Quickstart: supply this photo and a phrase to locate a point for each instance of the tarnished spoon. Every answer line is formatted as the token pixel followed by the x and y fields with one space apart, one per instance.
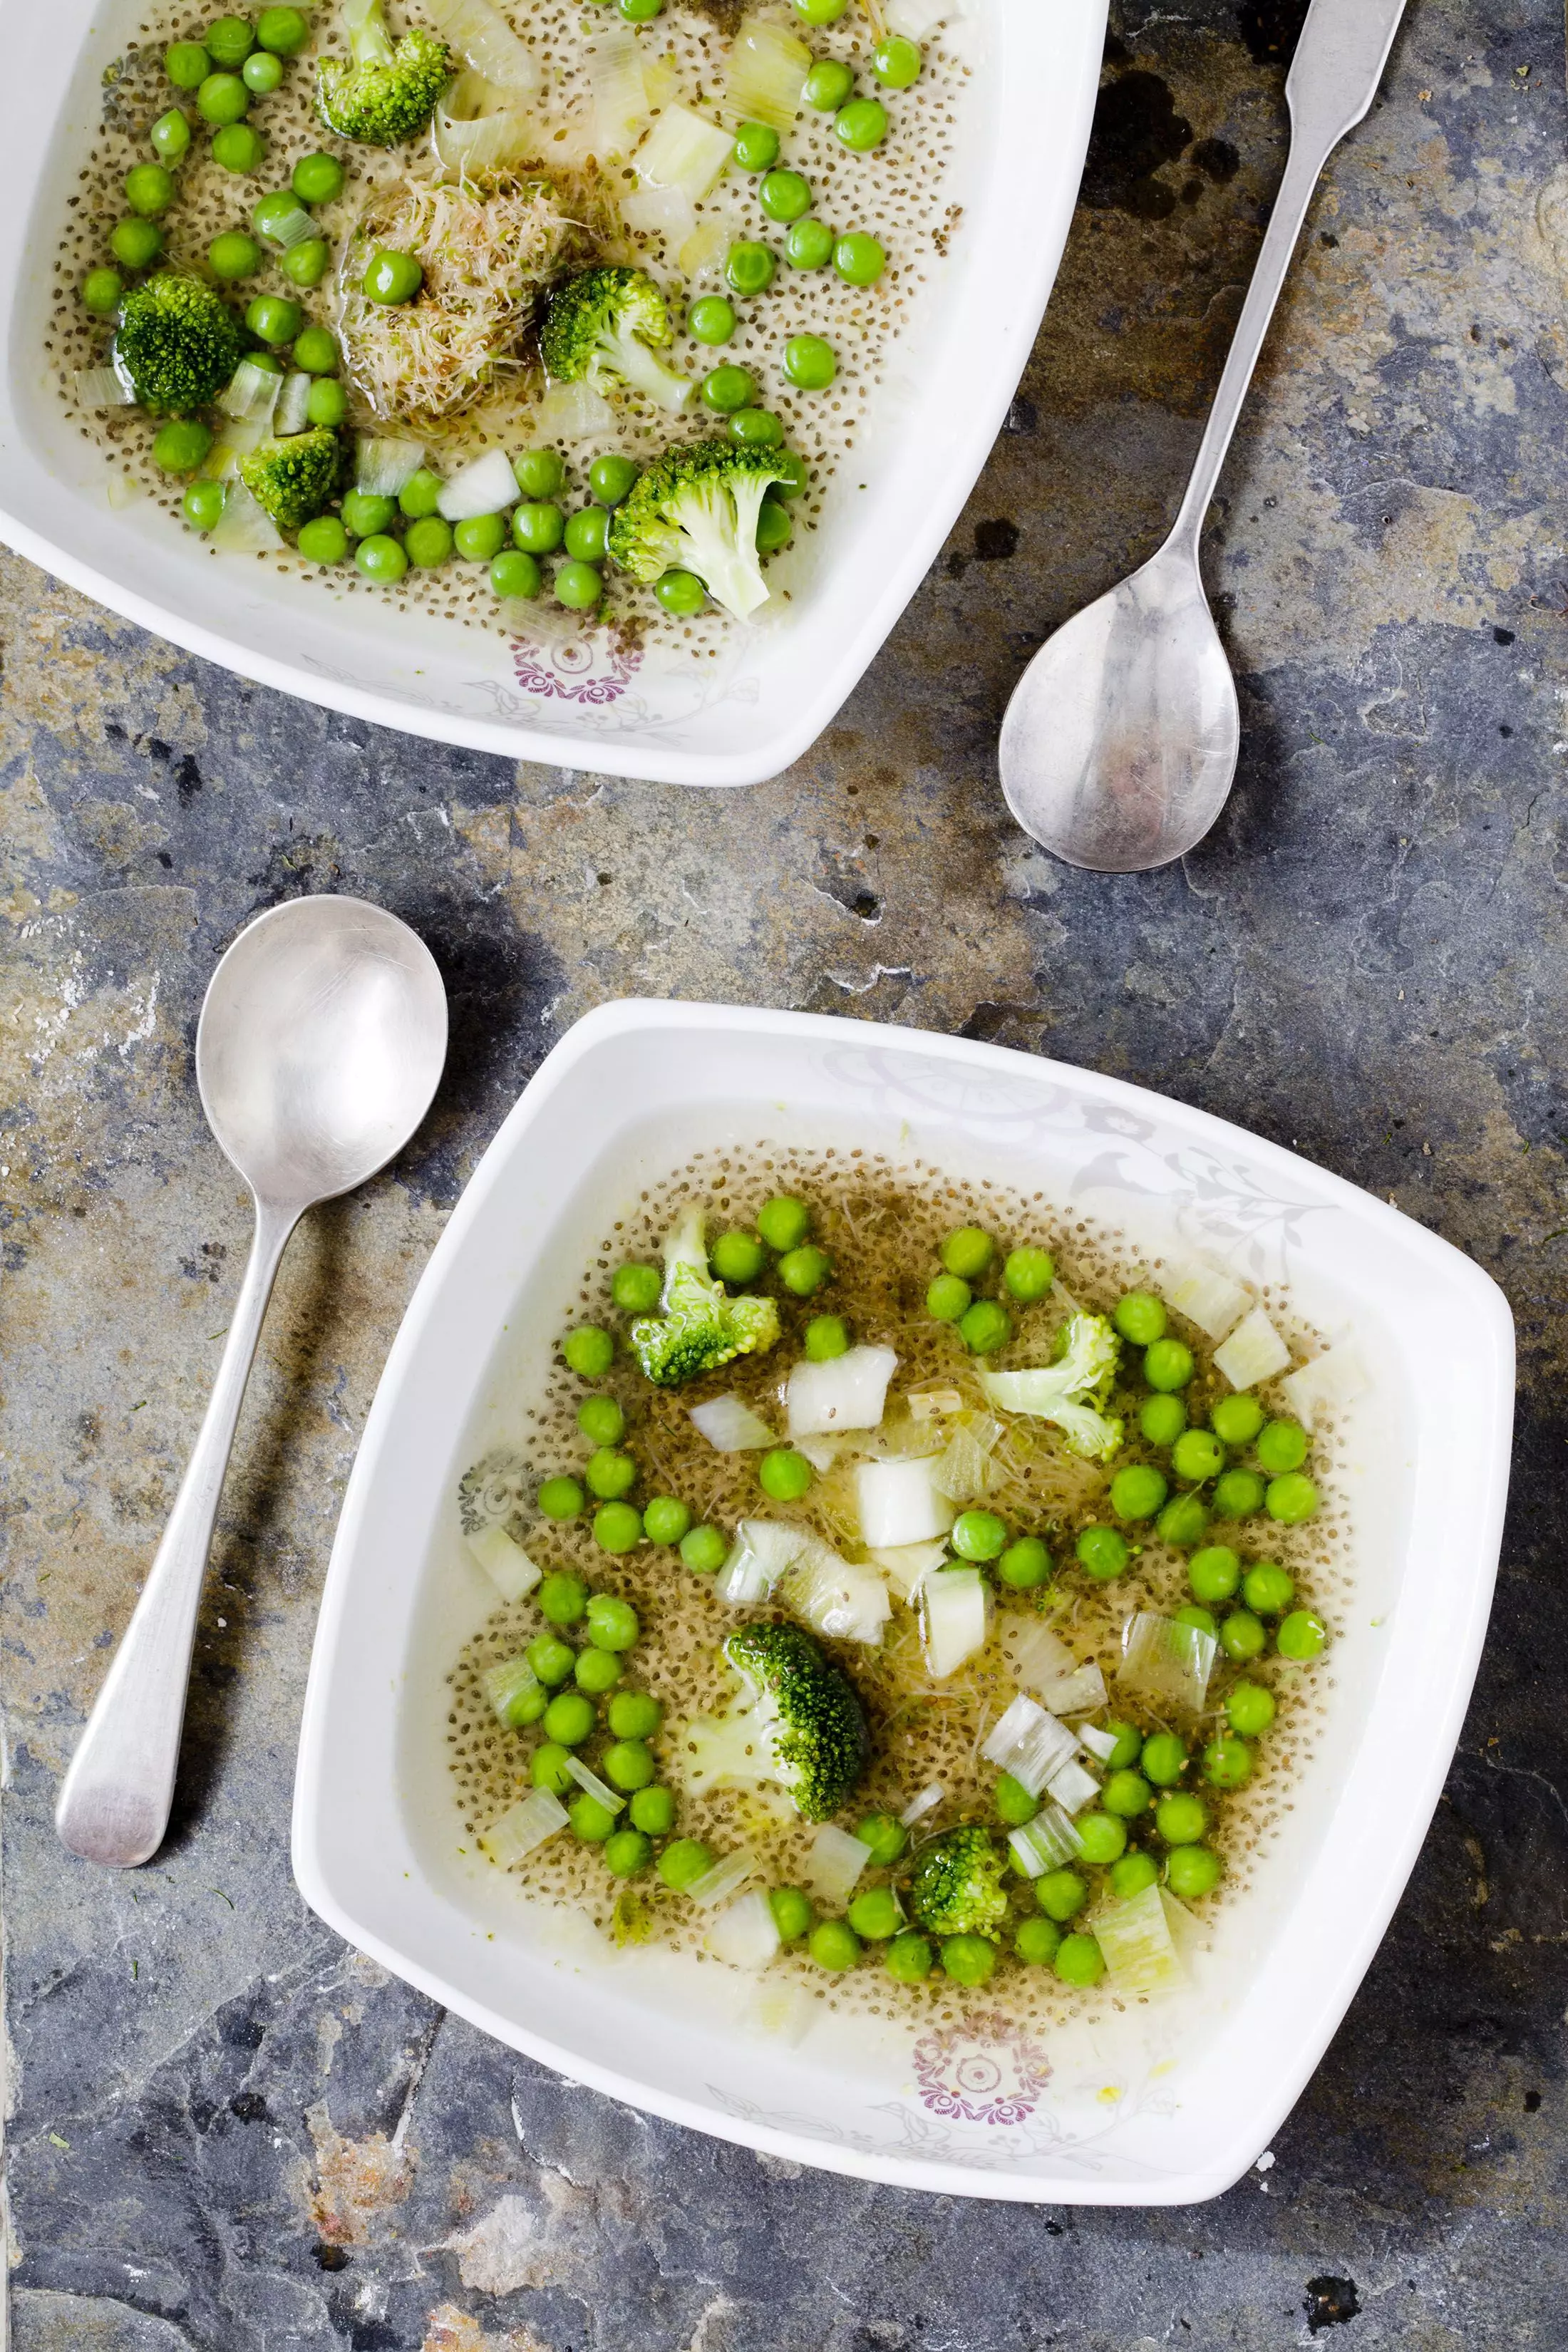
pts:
pixel 320 1043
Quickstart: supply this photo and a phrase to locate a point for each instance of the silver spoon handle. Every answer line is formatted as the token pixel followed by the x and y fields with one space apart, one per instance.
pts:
pixel 1333 79
pixel 114 1801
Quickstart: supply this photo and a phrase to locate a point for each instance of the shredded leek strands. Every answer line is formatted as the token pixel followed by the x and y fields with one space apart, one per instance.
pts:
pixel 251 392
pixel 766 74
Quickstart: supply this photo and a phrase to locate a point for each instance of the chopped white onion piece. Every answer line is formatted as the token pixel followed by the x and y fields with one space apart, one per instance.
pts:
pixel 484 487
pixel 236 440
pixel 762 1550
pixel 573 412
pixel 245 528
pixel 617 91
pixel 1045 1843
pixel 1099 1743
pixel 385 466
pixel 1071 1787
pixel 684 152
pixel 1254 1352
pixel 292 413
pixel 122 490
pixel 486 43
pixel 906 1565
pixel 504 1684
pixel 591 1782
pixel 505 1563
pixel 1043 1664
pixel 1141 1952
pixel 848 1392
pixel 834 1863
pixel 841 1603
pixel 1335 1378
pixel 1078 1694
pixel 822 1453
pixel 964 1471
pixel 1029 1744
pixel 898 1504
pixel 930 1404
pixel 521 1828
pixel 731 1426
pixel 250 394
pixel 1167 1663
pixel 766 74
pixel 706 245
pixel 1205 1295
pixel 955 1618
pixel 916 18
pixel 930 1798
pixel 102 387
pixel 291 228
pixel 747 1934
pixel 659 212
pixel 478 127
pixel 727 1877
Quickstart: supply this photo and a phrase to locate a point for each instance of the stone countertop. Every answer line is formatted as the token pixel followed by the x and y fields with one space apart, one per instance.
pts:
pixel 230 2134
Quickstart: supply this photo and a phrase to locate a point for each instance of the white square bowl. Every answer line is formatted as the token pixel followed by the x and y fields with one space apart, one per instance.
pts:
pixel 1020 145
pixel 1173 2106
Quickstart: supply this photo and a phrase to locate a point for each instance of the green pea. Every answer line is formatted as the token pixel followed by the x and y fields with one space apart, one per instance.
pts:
pixel 804 1270
pixel 1236 1420
pixel 1165 1758
pixel 1038 1942
pixel 428 541
pixel 548 1769
pixel 170 136
pixel 736 1258
pixel 1128 1745
pixel 704 1551
pixel 1027 1272
pixel 1189 1613
pixel 1185 1521
pixel 680 592
pixel 1168 1364
pixel 591 1821
pixel 1267 1589
pixel 587 540
pixel 540 474
pixel 1281 1447
pixel 238 148
pixel 683 1861
pixel 1126 1793
pixel 1137 1492
pixel 711 320
pixel 230 39
pixel 948 1298
pixel 262 74
pixel 273 216
pixel 628 1765
pixel 652 1811
pixel 809 245
pixel 639 12
pixel 635 1715
pixel 305 265
pixel 1301 1635
pixel 181 445
pixel 589 1351
pixel 391 277
pixel 284 31
pixel 1181 1818
pixel 979 1535
pixel 597 1672
pixel 909 1958
pixel 1228 1762
pixel 1197 1456
pixel 1242 1637
pixel 897 61
pixel 829 85
pixel 611 478
pixel 1290 1499
pixel 479 537
pixel 750 265
pixel 1103 1839
pixel 136 243
pixel 784 196
pixel 318 179
pixel 273 319
pixel 728 389
pixel 421 494
pixel 569 1718
pixel 827 1337
pixel 626 1852
pixel 188 64
pixel 102 290
pixel 617 1527
pixel 791 1912
pixel 1061 1894
pixel 665 1519
pixel 834 1944
pixel 860 259
pixel 562 1598
pixel 968 1959
pixel 577 586
pixel 608 1475
pixel 967 1251
pixel 1239 1495
pixel 984 1327
pixel 783 1474
pixel 1192 1872
pixel 885 1835
pixel 148 189
pixel 1025 1564
pixel 792 476
pixel 603 1423
pixel 1079 1960
pixel 1014 1806
pixel 875 1915
pixel 203 506
pixel 551 1658
pixel 1214 1573
pixel 223 100
pixel 756 149
pixel 381 560
pixel 1162 1419
pixel 612 1623
pixel 527 1708
pixel 1250 1708
pixel 1101 1552
pixel 538 528
pixel 516 573
pixel 861 125
pixel 234 255
pixel 821 12
pixel 1131 1874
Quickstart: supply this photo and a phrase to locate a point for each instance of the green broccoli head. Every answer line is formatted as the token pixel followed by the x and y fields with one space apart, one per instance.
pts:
pixel 1070 1391
pixel 800 1723
pixel 696 510
pixel 602 323
pixel 178 342
pixel 956 1886
pixel 700 1326
pixel 297 477
pixel 388 92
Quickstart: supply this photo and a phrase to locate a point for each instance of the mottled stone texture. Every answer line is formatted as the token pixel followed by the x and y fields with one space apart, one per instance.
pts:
pixel 230 2134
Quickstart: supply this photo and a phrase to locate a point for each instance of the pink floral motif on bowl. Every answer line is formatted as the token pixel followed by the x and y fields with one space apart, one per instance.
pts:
pixel 590 669
pixel 980 2071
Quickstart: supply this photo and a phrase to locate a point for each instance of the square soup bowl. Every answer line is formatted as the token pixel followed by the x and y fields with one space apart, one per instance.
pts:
pixel 560 694
pixel 1170 2101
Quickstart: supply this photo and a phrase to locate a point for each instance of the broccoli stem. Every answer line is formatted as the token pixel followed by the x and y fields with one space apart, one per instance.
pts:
pixel 364 22
pixel 643 369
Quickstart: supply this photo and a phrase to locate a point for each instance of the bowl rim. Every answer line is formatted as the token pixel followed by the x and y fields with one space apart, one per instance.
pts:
pixel 630 1017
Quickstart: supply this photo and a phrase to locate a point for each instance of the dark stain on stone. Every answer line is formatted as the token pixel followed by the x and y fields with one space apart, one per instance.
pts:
pixel 187 780
pixel 1216 159
pixel 1022 417
pixel 114 731
pixel 1327 237
pixel 995 541
pixel 1331 2303
pixel 1502 636
pixel 1531 2102
pixel 250 2108
pixel 330 2258
pixel 1271 28
pixel 295 868
pixel 1136 130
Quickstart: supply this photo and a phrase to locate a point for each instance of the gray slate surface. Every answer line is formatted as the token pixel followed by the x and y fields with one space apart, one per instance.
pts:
pixel 230 2134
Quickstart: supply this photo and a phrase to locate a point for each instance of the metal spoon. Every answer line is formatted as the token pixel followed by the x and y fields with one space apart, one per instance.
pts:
pixel 320 1043
pixel 1118 746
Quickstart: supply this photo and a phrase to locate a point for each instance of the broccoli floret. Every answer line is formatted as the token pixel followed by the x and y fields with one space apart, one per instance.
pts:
pixel 297 477
pixel 1071 1392
pixel 696 510
pixel 179 343
pixel 389 92
pixel 799 1723
pixel 956 1887
pixel 601 324
pixel 699 1324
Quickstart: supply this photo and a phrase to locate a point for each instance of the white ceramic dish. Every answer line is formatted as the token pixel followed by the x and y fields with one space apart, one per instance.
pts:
pixel 1020 149
pixel 1175 2103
